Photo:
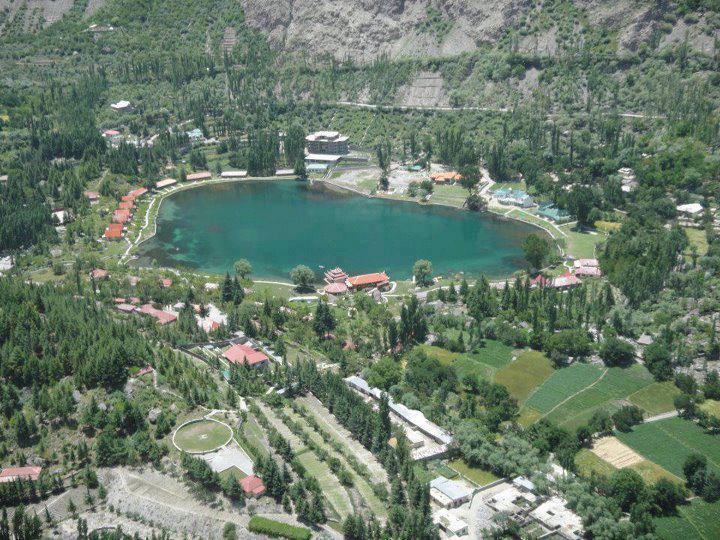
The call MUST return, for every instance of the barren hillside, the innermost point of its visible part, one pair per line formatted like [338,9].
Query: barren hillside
[363,29]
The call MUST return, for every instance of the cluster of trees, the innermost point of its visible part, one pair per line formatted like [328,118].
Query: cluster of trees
[702,481]
[691,397]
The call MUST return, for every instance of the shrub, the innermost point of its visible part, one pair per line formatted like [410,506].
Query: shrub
[277,529]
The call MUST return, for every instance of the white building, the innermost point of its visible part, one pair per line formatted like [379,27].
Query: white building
[451,524]
[449,493]
[120,105]
[692,209]
[555,516]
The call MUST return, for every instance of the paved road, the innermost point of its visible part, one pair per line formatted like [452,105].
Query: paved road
[481,109]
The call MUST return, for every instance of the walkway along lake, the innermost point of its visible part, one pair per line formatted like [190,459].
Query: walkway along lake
[277,225]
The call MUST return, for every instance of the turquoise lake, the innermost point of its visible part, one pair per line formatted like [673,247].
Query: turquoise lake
[277,225]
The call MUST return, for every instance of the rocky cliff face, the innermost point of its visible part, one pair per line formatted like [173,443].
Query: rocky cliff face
[364,29]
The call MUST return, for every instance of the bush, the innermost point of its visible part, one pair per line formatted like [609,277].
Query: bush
[278,529]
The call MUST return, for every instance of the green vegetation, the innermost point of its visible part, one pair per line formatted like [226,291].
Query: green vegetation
[525,374]
[697,520]
[202,436]
[587,463]
[278,529]
[656,398]
[475,474]
[563,384]
[668,442]
[616,385]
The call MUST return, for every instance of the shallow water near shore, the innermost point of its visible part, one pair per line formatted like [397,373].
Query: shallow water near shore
[277,225]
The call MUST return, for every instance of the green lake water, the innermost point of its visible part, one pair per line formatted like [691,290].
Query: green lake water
[277,225]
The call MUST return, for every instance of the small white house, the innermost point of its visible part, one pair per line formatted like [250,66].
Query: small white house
[120,105]
[692,209]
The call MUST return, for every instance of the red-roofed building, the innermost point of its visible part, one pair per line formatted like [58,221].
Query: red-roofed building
[139,192]
[166,283]
[125,308]
[445,177]
[565,281]
[126,205]
[202,175]
[114,231]
[336,275]
[252,486]
[540,281]
[10,474]
[378,279]
[162,317]
[144,371]
[121,216]
[588,271]
[127,198]
[92,196]
[245,355]
[336,288]
[99,273]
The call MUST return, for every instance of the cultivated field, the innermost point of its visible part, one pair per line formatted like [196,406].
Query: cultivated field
[656,398]
[615,453]
[608,393]
[697,520]
[476,475]
[525,374]
[202,436]
[562,384]
[669,442]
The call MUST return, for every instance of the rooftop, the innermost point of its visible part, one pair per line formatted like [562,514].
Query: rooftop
[451,489]
[252,485]
[368,279]
[243,354]
[9,474]
[326,136]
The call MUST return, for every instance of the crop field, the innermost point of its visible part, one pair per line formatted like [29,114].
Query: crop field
[588,462]
[697,520]
[525,374]
[656,398]
[202,436]
[669,442]
[445,357]
[617,384]
[495,354]
[562,384]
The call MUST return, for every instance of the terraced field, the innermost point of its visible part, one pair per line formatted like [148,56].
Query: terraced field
[656,398]
[669,442]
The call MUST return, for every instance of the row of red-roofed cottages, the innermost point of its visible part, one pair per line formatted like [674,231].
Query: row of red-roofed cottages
[123,214]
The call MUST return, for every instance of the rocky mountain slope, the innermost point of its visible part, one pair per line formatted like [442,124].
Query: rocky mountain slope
[364,29]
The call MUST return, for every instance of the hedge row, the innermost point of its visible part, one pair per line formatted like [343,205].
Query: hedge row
[278,529]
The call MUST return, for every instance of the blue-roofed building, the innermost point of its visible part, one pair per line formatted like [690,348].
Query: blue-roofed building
[316,167]
[195,134]
[449,493]
[551,212]
[514,197]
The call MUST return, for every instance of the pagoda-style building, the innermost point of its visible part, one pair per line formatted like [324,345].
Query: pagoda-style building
[336,275]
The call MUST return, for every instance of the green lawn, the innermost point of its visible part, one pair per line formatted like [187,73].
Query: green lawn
[202,436]
[562,384]
[479,476]
[335,493]
[696,520]
[581,245]
[525,374]
[656,398]
[669,442]
[607,393]
[449,195]
[253,433]
[233,471]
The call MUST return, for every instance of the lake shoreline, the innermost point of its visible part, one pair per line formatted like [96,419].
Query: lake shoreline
[158,198]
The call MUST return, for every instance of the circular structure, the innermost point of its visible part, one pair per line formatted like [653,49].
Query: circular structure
[202,436]
[336,288]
